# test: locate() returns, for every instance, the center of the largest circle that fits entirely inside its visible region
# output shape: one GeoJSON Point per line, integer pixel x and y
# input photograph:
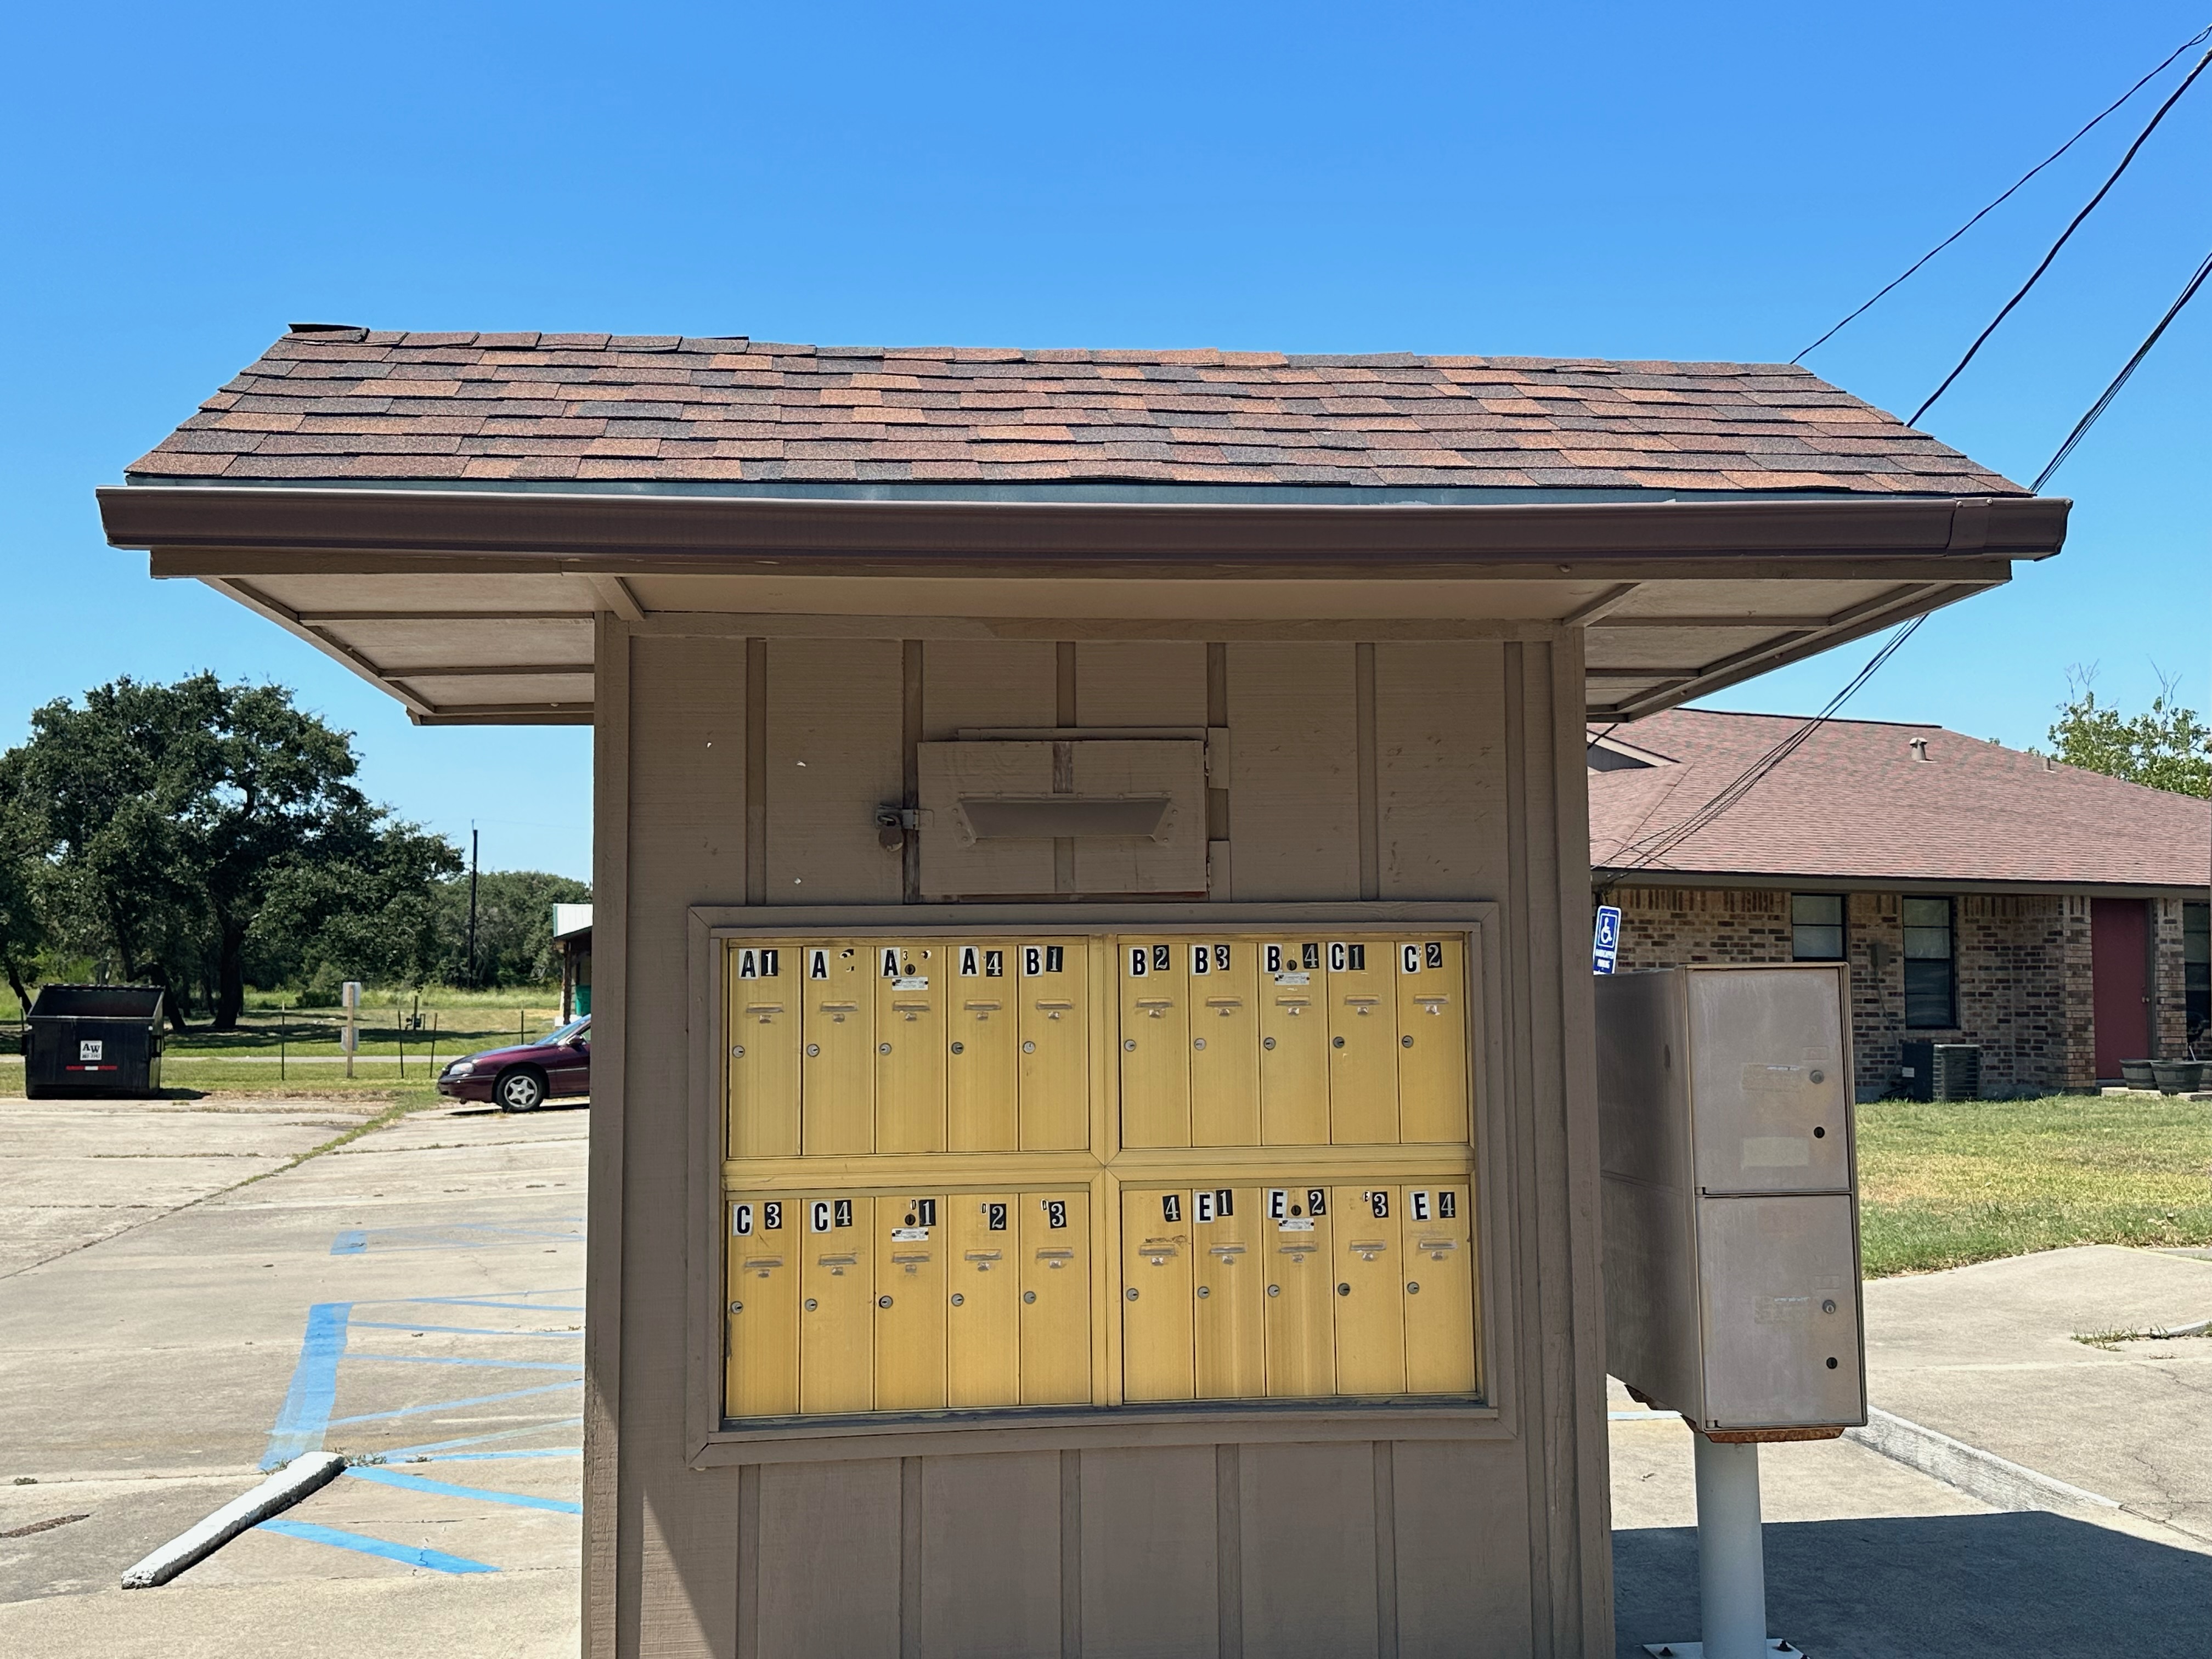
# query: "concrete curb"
{"type": "Point", "coordinates": [1995, 1480]}
{"type": "Point", "coordinates": [274, 1496]}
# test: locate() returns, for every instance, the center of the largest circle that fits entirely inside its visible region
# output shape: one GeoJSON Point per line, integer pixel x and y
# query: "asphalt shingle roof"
{"type": "Point", "coordinates": [358, 403]}
{"type": "Point", "coordinates": [1856, 803]}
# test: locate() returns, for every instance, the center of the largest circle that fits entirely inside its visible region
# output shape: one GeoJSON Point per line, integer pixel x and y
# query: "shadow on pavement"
{"type": "Point", "coordinates": [1941, 1587]}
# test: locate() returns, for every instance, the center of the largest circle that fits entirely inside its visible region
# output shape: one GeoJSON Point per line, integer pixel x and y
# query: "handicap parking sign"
{"type": "Point", "coordinates": [1605, 947]}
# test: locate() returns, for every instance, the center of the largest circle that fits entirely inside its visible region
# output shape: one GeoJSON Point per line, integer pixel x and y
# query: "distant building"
{"type": "Point", "coordinates": [572, 937]}
{"type": "Point", "coordinates": [2053, 916]}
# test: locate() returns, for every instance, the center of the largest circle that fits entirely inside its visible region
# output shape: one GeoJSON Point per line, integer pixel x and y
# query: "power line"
{"type": "Point", "coordinates": [1746, 781]}
{"type": "Point", "coordinates": [2201, 35]}
{"type": "Point", "coordinates": [2096, 410]}
{"type": "Point", "coordinates": [2065, 236]}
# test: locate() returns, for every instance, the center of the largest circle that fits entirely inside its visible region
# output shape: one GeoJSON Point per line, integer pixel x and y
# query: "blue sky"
{"type": "Point", "coordinates": [1714, 181]}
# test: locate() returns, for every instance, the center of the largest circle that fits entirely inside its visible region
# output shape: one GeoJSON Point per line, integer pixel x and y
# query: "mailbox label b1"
{"type": "Point", "coordinates": [1604, 944]}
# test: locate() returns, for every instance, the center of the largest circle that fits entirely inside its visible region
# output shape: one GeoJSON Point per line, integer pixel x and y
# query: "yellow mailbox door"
{"type": "Point", "coordinates": [983, 1069]}
{"type": "Point", "coordinates": [1439, 1269]}
{"type": "Point", "coordinates": [1055, 1042]}
{"type": "Point", "coordinates": [1293, 1045]}
{"type": "Point", "coordinates": [1300, 1338]}
{"type": "Point", "coordinates": [1055, 1316]}
{"type": "Point", "coordinates": [1370, 1331]}
{"type": "Point", "coordinates": [837, 1321]}
{"type": "Point", "coordinates": [982, 1341]}
{"type": "Point", "coordinates": [1224, 1042]}
{"type": "Point", "coordinates": [1363, 1042]}
{"type": "Point", "coordinates": [910, 1309]}
{"type": "Point", "coordinates": [1432, 1014]}
{"type": "Point", "coordinates": [1156, 1294]}
{"type": "Point", "coordinates": [910, 998]}
{"type": "Point", "coordinates": [763, 1014]}
{"type": "Point", "coordinates": [837, 1063]}
{"type": "Point", "coordinates": [1155, 1043]}
{"type": "Point", "coordinates": [1227, 1265]}
{"type": "Point", "coordinates": [761, 1377]}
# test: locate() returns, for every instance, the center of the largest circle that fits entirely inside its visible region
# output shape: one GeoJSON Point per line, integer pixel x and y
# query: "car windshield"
{"type": "Point", "coordinates": [572, 1029]}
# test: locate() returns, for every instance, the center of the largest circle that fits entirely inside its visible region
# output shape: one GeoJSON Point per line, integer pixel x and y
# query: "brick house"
{"type": "Point", "coordinates": [2056, 917]}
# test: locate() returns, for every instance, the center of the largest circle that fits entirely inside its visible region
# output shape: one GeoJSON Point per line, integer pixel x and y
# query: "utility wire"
{"type": "Point", "coordinates": [1745, 782]}
{"type": "Point", "coordinates": [2064, 237]}
{"type": "Point", "coordinates": [2197, 39]}
{"type": "Point", "coordinates": [2096, 410]}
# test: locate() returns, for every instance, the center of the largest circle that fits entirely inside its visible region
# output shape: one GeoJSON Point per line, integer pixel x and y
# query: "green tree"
{"type": "Point", "coordinates": [170, 816]}
{"type": "Point", "coordinates": [2167, 747]}
{"type": "Point", "coordinates": [23, 934]}
{"type": "Point", "coordinates": [514, 925]}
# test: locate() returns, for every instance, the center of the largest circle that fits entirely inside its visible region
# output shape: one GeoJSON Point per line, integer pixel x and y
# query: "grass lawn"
{"type": "Point", "coordinates": [1945, 1183]}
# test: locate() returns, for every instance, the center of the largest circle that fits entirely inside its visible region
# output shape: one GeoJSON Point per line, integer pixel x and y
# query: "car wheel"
{"type": "Point", "coordinates": [520, 1091]}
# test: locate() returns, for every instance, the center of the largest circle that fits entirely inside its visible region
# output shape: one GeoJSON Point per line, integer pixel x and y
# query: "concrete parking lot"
{"type": "Point", "coordinates": [178, 1310]}
{"type": "Point", "coordinates": [166, 1333]}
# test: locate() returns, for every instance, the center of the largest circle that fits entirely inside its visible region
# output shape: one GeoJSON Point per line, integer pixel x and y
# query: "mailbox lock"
{"type": "Point", "coordinates": [1029, 1048]}
{"type": "Point", "coordinates": [883, 1302]}
{"type": "Point", "coordinates": [1336, 1042]}
{"type": "Point", "coordinates": [1028, 1296]}
{"type": "Point", "coordinates": [1274, 1290]}
{"type": "Point", "coordinates": [1832, 1361]}
{"type": "Point", "coordinates": [958, 1300]}
{"type": "Point", "coordinates": [959, 1049]}
{"type": "Point", "coordinates": [1128, 1045]}
{"type": "Point", "coordinates": [1267, 1043]}
{"type": "Point", "coordinates": [1131, 1293]}
{"type": "Point", "coordinates": [1819, 1132]}
{"type": "Point", "coordinates": [1413, 1287]}
{"type": "Point", "coordinates": [1820, 1077]}
{"type": "Point", "coordinates": [813, 1050]}
{"type": "Point", "coordinates": [812, 1304]}
{"type": "Point", "coordinates": [1405, 1041]}
{"type": "Point", "coordinates": [736, 1307]}
{"type": "Point", "coordinates": [1344, 1289]}
{"type": "Point", "coordinates": [1205, 1291]}
{"type": "Point", "coordinates": [1828, 1305]}
{"type": "Point", "coordinates": [738, 1052]}
{"type": "Point", "coordinates": [1198, 1043]}
{"type": "Point", "coordinates": [883, 1047]}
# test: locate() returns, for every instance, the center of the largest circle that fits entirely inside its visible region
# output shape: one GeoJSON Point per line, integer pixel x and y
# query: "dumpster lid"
{"type": "Point", "coordinates": [132, 1002]}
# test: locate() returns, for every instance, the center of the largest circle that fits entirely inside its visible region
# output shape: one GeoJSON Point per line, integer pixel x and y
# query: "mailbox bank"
{"type": "Point", "coordinates": [1094, 1148]}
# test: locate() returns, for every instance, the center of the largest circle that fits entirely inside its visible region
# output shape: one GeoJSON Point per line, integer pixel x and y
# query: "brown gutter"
{"type": "Point", "coordinates": [213, 531]}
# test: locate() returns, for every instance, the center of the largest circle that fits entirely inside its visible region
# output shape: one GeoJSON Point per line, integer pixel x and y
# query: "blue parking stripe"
{"type": "Point", "coordinates": [383, 1477]}
{"type": "Point", "coordinates": [306, 1409]}
{"type": "Point", "coordinates": [352, 1242]}
{"type": "Point", "coordinates": [400, 1453]}
{"type": "Point", "coordinates": [476, 1365]}
{"type": "Point", "coordinates": [455, 1330]}
{"type": "Point", "coordinates": [410, 1555]}
{"type": "Point", "coordinates": [479, 1458]}
{"type": "Point", "coordinates": [449, 1404]}
{"type": "Point", "coordinates": [484, 1301]}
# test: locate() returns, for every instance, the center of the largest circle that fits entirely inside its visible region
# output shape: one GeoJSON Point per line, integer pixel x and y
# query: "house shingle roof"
{"type": "Point", "coordinates": [1855, 804]}
{"type": "Point", "coordinates": [366, 405]}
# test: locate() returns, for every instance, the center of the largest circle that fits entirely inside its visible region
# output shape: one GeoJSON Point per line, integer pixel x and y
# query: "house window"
{"type": "Point", "coordinates": [1930, 978]}
{"type": "Point", "coordinates": [2196, 965]}
{"type": "Point", "coordinates": [1816, 927]}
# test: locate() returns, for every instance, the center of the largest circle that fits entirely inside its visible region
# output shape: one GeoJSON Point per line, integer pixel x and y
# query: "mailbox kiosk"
{"type": "Point", "coordinates": [1094, 1142]}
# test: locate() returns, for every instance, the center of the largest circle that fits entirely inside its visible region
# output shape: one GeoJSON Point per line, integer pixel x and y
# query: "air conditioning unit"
{"type": "Point", "coordinates": [1940, 1071]}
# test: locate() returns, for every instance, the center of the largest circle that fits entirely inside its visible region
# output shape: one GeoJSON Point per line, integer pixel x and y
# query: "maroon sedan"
{"type": "Point", "coordinates": [524, 1077]}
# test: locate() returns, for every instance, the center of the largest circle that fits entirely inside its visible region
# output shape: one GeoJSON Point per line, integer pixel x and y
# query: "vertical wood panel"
{"type": "Point", "coordinates": [990, 1556]}
{"type": "Point", "coordinates": [986, 682]}
{"type": "Point", "coordinates": [834, 722]}
{"type": "Point", "coordinates": [1308, 1548]}
{"type": "Point", "coordinates": [1154, 683]}
{"type": "Point", "coordinates": [1440, 732]}
{"type": "Point", "coordinates": [1149, 1567]}
{"type": "Point", "coordinates": [1294, 787]}
{"type": "Point", "coordinates": [1462, 1550]}
{"type": "Point", "coordinates": [686, 845]}
{"type": "Point", "coordinates": [830, 1560]}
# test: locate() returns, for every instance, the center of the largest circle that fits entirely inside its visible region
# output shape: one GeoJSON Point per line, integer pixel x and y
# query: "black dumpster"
{"type": "Point", "coordinates": [93, 1040]}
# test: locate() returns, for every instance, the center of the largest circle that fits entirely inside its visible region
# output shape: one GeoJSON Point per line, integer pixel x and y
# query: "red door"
{"type": "Point", "coordinates": [2119, 956]}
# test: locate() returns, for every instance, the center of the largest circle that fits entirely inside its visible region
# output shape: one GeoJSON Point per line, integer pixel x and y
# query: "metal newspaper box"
{"type": "Point", "coordinates": [1731, 1196]}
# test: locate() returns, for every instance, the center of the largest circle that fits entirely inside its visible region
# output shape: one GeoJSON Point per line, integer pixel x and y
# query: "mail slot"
{"type": "Point", "coordinates": [837, 1061]}
{"type": "Point", "coordinates": [1056, 1306]}
{"type": "Point", "coordinates": [1228, 1293]}
{"type": "Point", "coordinates": [1157, 1356]}
{"type": "Point", "coordinates": [910, 1307]}
{"type": "Point", "coordinates": [910, 1047]}
{"type": "Point", "coordinates": [1156, 1037]}
{"type": "Point", "coordinates": [983, 1346]}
